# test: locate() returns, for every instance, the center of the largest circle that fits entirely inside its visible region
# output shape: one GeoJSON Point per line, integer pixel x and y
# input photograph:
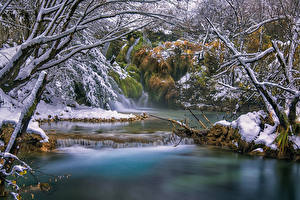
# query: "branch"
{"type": "Point", "coordinates": [282, 61]}
{"type": "Point", "coordinates": [85, 47]}
{"type": "Point", "coordinates": [257, 26]}
{"type": "Point", "coordinates": [134, 12]}
{"type": "Point", "coordinates": [228, 86]}
{"type": "Point", "coordinates": [4, 6]}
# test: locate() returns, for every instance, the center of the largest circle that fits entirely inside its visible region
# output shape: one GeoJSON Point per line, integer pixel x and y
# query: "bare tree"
{"type": "Point", "coordinates": [52, 40]}
{"type": "Point", "coordinates": [278, 82]}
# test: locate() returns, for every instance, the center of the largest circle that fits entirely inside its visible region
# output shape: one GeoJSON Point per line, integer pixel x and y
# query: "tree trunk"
{"type": "Point", "coordinates": [20, 129]}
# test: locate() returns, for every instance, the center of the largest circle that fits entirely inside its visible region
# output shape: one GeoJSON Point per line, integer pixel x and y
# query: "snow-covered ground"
{"type": "Point", "coordinates": [65, 112]}
{"type": "Point", "coordinates": [6, 116]}
{"type": "Point", "coordinates": [250, 130]}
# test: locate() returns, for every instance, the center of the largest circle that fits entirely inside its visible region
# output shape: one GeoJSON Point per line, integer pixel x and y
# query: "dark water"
{"type": "Point", "coordinates": [160, 172]}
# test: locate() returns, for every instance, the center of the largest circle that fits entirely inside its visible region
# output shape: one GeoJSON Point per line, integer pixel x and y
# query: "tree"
{"type": "Point", "coordinates": [52, 40]}
{"type": "Point", "coordinates": [277, 82]}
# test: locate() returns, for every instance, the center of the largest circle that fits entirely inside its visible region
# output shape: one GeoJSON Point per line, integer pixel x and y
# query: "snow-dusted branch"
{"type": "Point", "coordinates": [255, 27]}
{"type": "Point", "coordinates": [132, 12]}
{"type": "Point", "coordinates": [228, 86]}
{"type": "Point", "coordinates": [5, 6]}
{"type": "Point", "coordinates": [85, 47]}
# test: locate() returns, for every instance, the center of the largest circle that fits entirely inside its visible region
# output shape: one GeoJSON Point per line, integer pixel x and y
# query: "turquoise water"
{"type": "Point", "coordinates": [185, 172]}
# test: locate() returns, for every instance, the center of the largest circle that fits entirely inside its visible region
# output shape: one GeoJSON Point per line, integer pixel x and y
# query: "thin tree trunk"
{"type": "Point", "coordinates": [21, 127]}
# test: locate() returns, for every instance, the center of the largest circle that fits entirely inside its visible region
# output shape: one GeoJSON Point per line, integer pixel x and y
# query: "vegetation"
{"type": "Point", "coordinates": [130, 87]}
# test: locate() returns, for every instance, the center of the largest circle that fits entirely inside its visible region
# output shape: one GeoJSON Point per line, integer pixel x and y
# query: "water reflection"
{"type": "Point", "coordinates": [185, 172]}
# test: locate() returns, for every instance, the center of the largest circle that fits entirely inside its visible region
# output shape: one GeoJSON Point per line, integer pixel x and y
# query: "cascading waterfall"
{"type": "Point", "coordinates": [157, 139]}
{"type": "Point", "coordinates": [143, 100]}
{"type": "Point", "coordinates": [128, 54]}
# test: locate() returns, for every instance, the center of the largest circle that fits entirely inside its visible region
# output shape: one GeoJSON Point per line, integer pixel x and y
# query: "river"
{"type": "Point", "coordinates": [157, 171]}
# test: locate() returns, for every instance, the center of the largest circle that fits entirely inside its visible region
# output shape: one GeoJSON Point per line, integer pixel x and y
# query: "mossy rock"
{"type": "Point", "coordinates": [121, 58]}
{"type": "Point", "coordinates": [134, 72]}
{"type": "Point", "coordinates": [160, 87]}
{"type": "Point", "coordinates": [130, 87]}
{"type": "Point", "coordinates": [114, 49]}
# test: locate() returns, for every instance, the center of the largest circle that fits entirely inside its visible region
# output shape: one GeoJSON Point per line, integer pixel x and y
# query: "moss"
{"type": "Point", "coordinates": [121, 58]}
{"type": "Point", "coordinates": [130, 87]}
{"type": "Point", "coordinates": [161, 88]}
{"type": "Point", "coordinates": [134, 72]}
{"type": "Point", "coordinates": [114, 49]}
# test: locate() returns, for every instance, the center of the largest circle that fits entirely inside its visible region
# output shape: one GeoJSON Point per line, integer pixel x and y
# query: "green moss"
{"type": "Point", "coordinates": [130, 87]}
{"type": "Point", "coordinates": [134, 72]}
{"type": "Point", "coordinates": [137, 47]}
{"type": "Point", "coordinates": [211, 62]}
{"type": "Point", "coordinates": [121, 58]}
{"type": "Point", "coordinates": [114, 49]}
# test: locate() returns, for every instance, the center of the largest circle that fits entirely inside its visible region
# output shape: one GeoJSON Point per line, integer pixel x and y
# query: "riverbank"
{"type": "Point", "coordinates": [252, 134]}
{"type": "Point", "coordinates": [37, 140]}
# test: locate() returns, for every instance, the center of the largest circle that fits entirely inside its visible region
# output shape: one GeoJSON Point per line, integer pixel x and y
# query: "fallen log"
{"type": "Point", "coordinates": [184, 130]}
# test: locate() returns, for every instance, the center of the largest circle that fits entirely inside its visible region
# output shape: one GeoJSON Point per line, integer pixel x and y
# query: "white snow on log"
{"type": "Point", "coordinates": [248, 125]}
{"type": "Point", "coordinates": [223, 123]}
{"type": "Point", "coordinates": [6, 54]}
{"type": "Point", "coordinates": [8, 117]}
{"type": "Point", "coordinates": [267, 136]}
{"type": "Point", "coordinates": [296, 141]}
{"type": "Point", "coordinates": [65, 112]}
{"type": "Point", "coordinates": [259, 150]}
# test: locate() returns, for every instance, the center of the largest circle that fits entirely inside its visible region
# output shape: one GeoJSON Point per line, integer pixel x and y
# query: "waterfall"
{"type": "Point", "coordinates": [130, 50]}
{"type": "Point", "coordinates": [105, 48]}
{"type": "Point", "coordinates": [123, 104]}
{"type": "Point", "coordinates": [143, 100]}
{"type": "Point", "coordinates": [157, 139]}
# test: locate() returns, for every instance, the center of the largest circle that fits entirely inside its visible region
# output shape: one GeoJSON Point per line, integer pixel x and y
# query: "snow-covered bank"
{"type": "Point", "coordinates": [8, 117]}
{"type": "Point", "coordinates": [253, 133]}
{"type": "Point", "coordinates": [250, 128]}
{"type": "Point", "coordinates": [46, 112]}
{"type": "Point", "coordinates": [61, 112]}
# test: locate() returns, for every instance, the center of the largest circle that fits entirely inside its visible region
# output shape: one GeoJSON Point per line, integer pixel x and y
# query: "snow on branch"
{"type": "Point", "coordinates": [255, 27]}
{"type": "Point", "coordinates": [85, 47]}
{"type": "Point", "coordinates": [133, 12]}
{"type": "Point", "coordinates": [5, 6]}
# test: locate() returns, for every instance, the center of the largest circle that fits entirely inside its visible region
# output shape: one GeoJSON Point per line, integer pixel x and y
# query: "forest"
{"type": "Point", "coordinates": [163, 99]}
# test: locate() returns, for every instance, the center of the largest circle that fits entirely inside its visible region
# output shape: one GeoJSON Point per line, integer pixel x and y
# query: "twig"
{"type": "Point", "coordinates": [200, 122]}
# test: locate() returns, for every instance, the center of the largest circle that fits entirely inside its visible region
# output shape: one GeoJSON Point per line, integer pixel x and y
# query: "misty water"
{"type": "Point", "coordinates": [157, 171]}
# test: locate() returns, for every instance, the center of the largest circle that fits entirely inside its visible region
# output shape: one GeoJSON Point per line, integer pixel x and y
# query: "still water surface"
{"type": "Point", "coordinates": [160, 172]}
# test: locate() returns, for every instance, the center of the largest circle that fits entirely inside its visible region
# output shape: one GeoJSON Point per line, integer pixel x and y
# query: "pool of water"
{"type": "Point", "coordinates": [159, 172]}
{"type": "Point", "coordinates": [182, 172]}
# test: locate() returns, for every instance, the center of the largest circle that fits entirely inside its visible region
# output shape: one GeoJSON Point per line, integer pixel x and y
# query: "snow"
{"type": "Point", "coordinates": [249, 128]}
{"type": "Point", "coordinates": [296, 141]}
{"type": "Point", "coordinates": [259, 150]}
{"type": "Point", "coordinates": [13, 117]}
{"type": "Point", "coordinates": [185, 78]}
{"type": "Point", "coordinates": [267, 136]}
{"type": "Point", "coordinates": [6, 54]}
{"type": "Point", "coordinates": [223, 123]}
{"type": "Point", "coordinates": [66, 112]}
{"type": "Point", "coordinates": [248, 125]}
